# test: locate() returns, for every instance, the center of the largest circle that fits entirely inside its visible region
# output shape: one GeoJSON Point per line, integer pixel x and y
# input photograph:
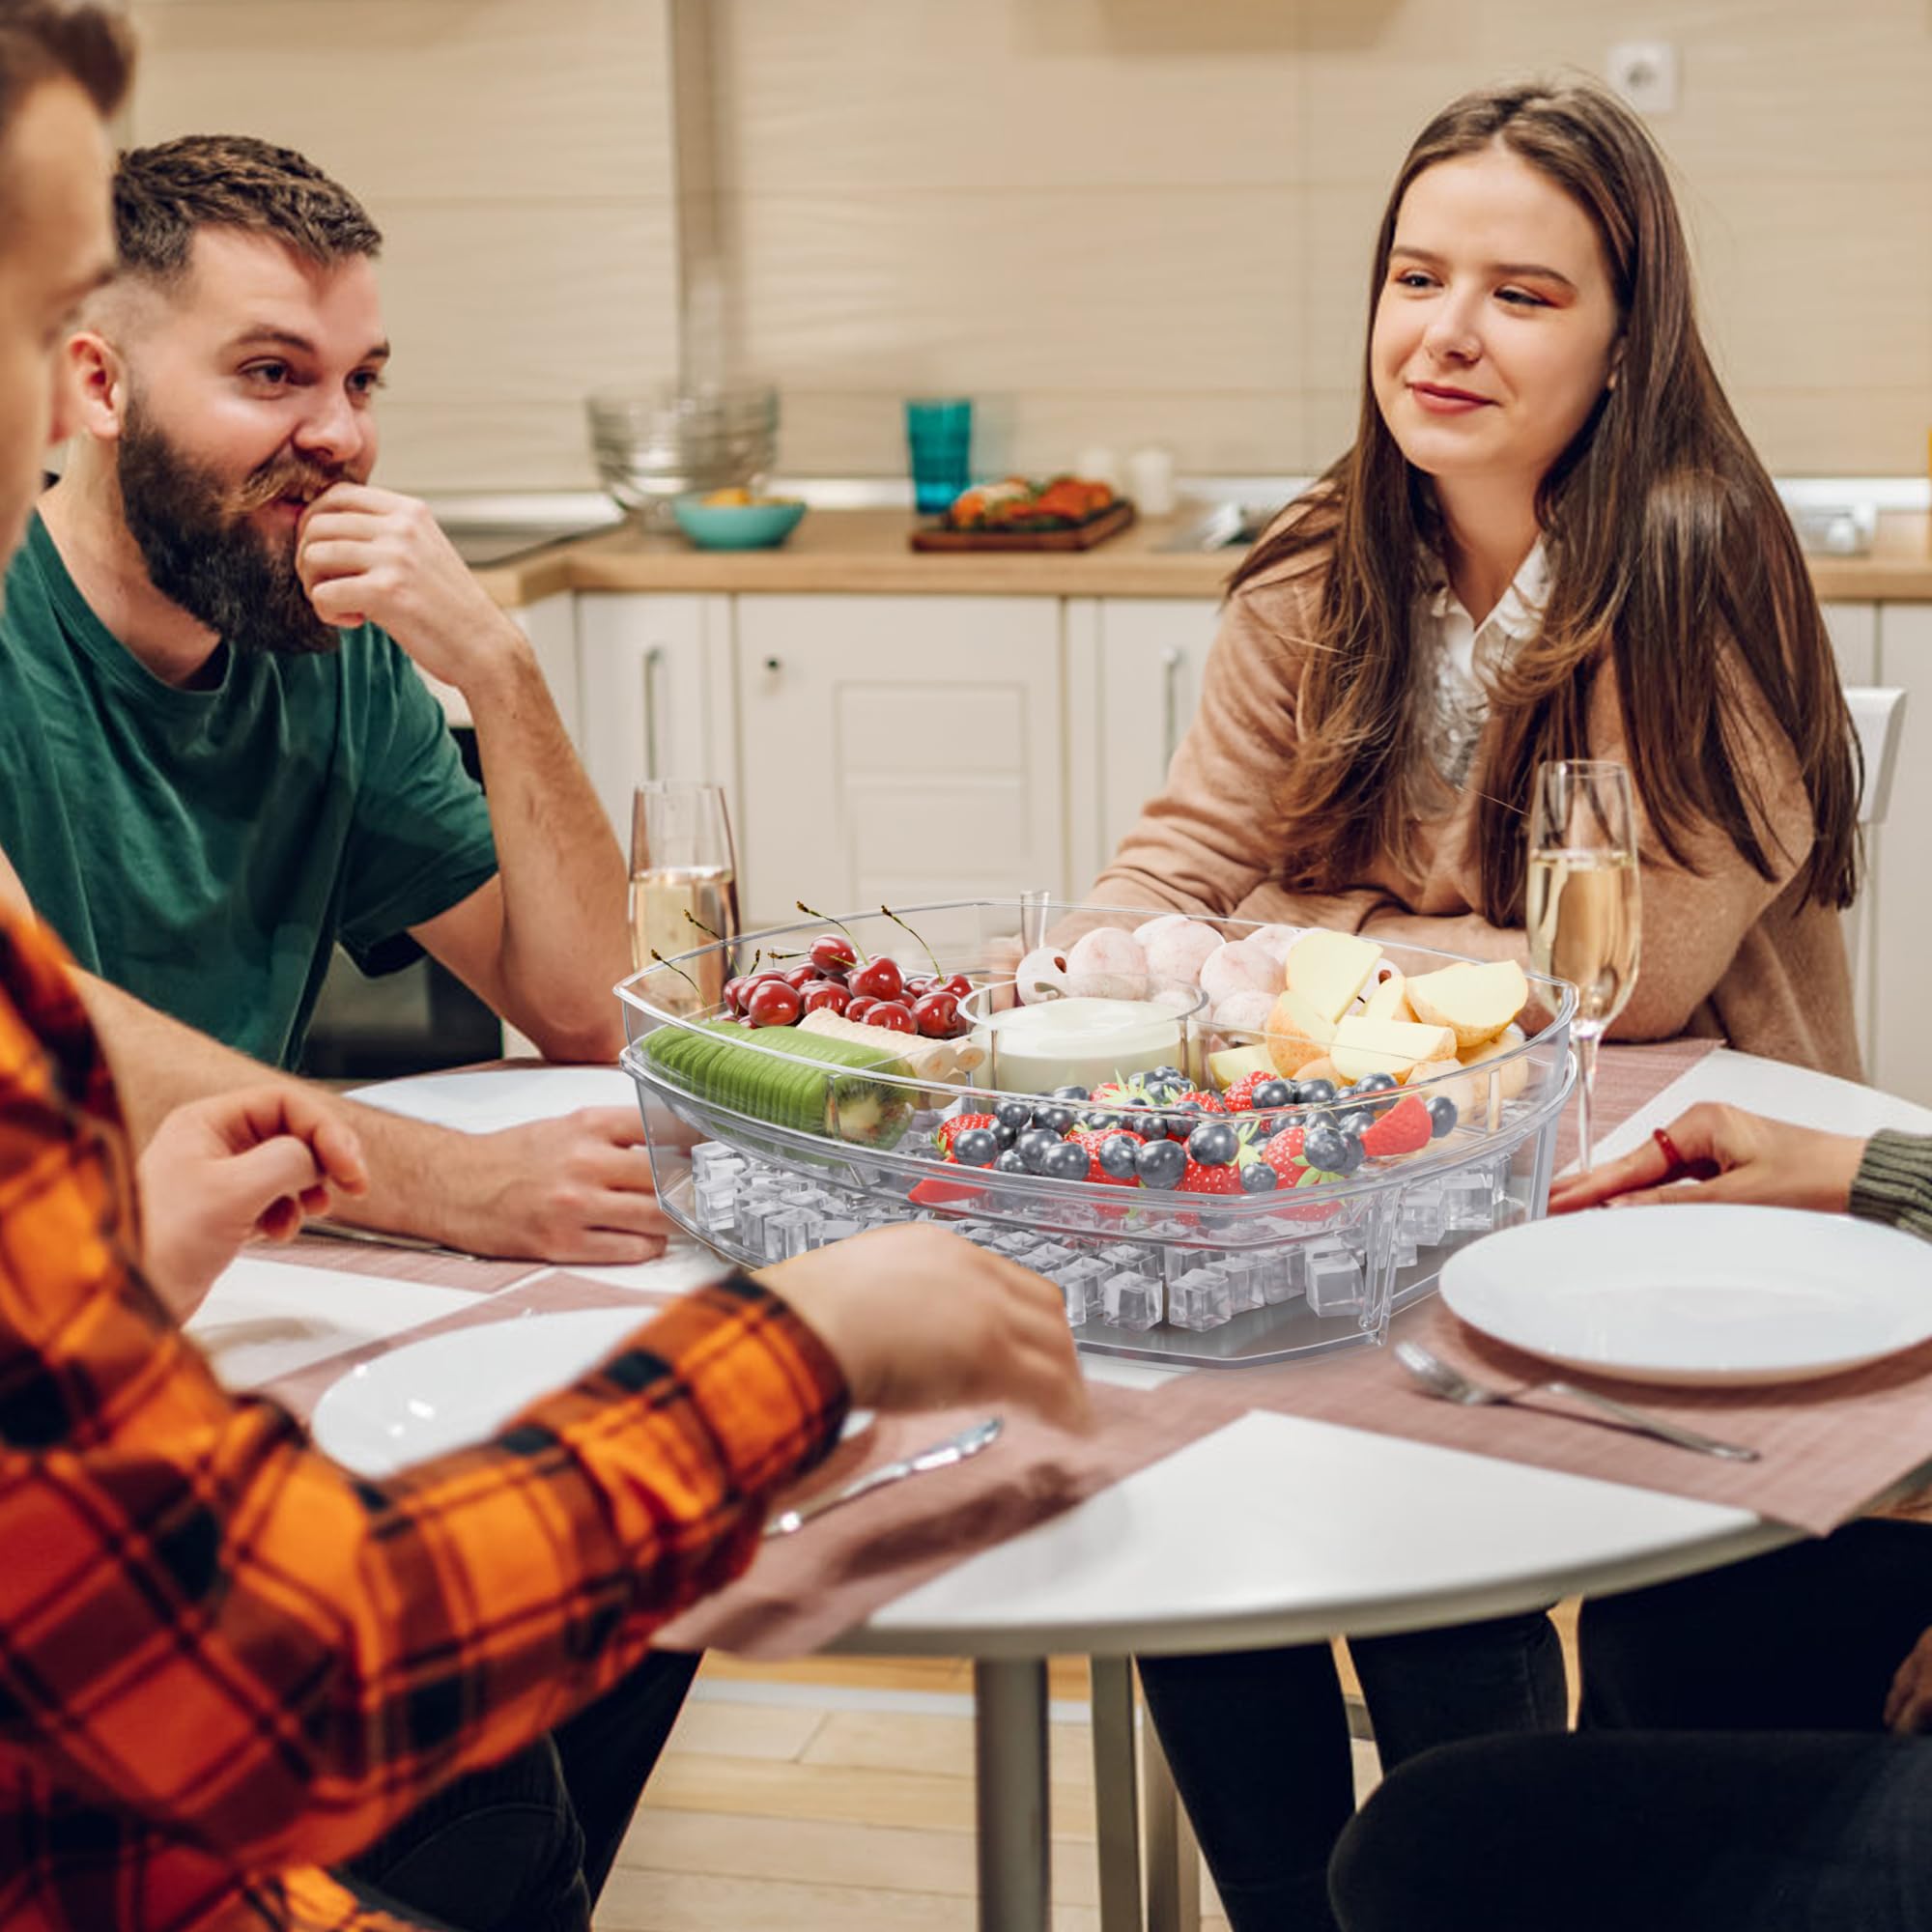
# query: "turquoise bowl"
{"type": "Point", "coordinates": [735, 525]}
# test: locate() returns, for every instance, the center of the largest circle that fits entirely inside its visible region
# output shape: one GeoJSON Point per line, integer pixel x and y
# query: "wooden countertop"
{"type": "Point", "coordinates": [860, 552]}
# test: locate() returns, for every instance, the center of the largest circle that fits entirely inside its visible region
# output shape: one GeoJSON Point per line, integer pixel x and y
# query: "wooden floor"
{"type": "Point", "coordinates": [837, 1793]}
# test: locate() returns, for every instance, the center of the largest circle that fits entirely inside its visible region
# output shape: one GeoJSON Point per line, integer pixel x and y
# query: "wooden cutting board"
{"type": "Point", "coordinates": [1110, 522]}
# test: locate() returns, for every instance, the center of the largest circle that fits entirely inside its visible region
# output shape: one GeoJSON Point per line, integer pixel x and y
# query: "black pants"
{"type": "Point", "coordinates": [1258, 1742]}
{"type": "Point", "coordinates": [1733, 1770]}
{"type": "Point", "coordinates": [1647, 1832]}
{"type": "Point", "coordinates": [526, 1845]}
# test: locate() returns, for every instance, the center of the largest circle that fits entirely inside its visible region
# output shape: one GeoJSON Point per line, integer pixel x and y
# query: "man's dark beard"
{"type": "Point", "coordinates": [201, 550]}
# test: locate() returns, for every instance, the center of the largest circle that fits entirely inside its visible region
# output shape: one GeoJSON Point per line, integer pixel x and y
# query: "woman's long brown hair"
{"type": "Point", "coordinates": [1671, 560]}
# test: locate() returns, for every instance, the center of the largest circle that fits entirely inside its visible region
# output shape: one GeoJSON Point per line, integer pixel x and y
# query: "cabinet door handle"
{"type": "Point", "coordinates": [1171, 661]}
{"type": "Point", "coordinates": [773, 665]}
{"type": "Point", "coordinates": [653, 658]}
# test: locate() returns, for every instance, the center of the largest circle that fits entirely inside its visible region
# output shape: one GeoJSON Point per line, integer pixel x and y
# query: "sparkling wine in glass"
{"type": "Point", "coordinates": [684, 890]}
{"type": "Point", "coordinates": [1582, 902]}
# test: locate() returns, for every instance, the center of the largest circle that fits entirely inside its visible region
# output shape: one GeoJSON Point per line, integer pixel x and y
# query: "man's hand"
{"type": "Point", "coordinates": [920, 1319]}
{"type": "Point", "coordinates": [222, 1169]}
{"type": "Point", "coordinates": [1908, 1704]}
{"type": "Point", "coordinates": [1766, 1163]}
{"type": "Point", "coordinates": [574, 1189]}
{"type": "Point", "coordinates": [370, 555]}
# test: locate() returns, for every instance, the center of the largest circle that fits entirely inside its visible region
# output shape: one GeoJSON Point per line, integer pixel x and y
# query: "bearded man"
{"type": "Point", "coordinates": [220, 758]}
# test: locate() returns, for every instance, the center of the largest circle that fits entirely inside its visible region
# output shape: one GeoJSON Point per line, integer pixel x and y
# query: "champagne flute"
{"type": "Point", "coordinates": [684, 888]}
{"type": "Point", "coordinates": [1582, 902]}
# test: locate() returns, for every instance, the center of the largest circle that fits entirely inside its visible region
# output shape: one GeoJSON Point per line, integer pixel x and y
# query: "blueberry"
{"type": "Point", "coordinates": [1065, 1161]}
{"type": "Point", "coordinates": [1317, 1092]}
{"type": "Point", "coordinates": [1161, 1163]}
{"type": "Point", "coordinates": [1355, 1121]}
{"type": "Point", "coordinates": [1169, 1073]}
{"type": "Point", "coordinates": [975, 1148]}
{"type": "Point", "coordinates": [1032, 1148]}
{"type": "Point", "coordinates": [1056, 1118]}
{"type": "Point", "coordinates": [1326, 1149]}
{"type": "Point", "coordinates": [1004, 1134]}
{"type": "Point", "coordinates": [1321, 1117]}
{"type": "Point", "coordinates": [1099, 1122]}
{"type": "Point", "coordinates": [1273, 1093]}
{"type": "Point", "coordinates": [1072, 1093]}
{"type": "Point", "coordinates": [1166, 1089]}
{"type": "Point", "coordinates": [1213, 1143]}
{"type": "Point", "coordinates": [1374, 1083]}
{"type": "Point", "coordinates": [1258, 1178]}
{"type": "Point", "coordinates": [1011, 1161]}
{"type": "Point", "coordinates": [1116, 1157]}
{"type": "Point", "coordinates": [1352, 1156]}
{"type": "Point", "coordinates": [1014, 1114]}
{"type": "Point", "coordinates": [1442, 1116]}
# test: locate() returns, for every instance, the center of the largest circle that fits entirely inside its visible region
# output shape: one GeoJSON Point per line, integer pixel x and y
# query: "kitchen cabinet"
{"type": "Point", "coordinates": [1853, 629]}
{"type": "Point", "coordinates": [897, 748]}
{"type": "Point", "coordinates": [1134, 673]}
{"type": "Point", "coordinates": [1901, 886]}
{"type": "Point", "coordinates": [654, 695]}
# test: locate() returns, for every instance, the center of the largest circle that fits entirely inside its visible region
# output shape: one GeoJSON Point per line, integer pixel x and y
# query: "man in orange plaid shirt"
{"type": "Point", "coordinates": [224, 1664]}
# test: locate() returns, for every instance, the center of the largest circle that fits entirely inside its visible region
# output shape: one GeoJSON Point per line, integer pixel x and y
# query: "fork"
{"type": "Point", "coordinates": [1453, 1385]}
{"type": "Point", "coordinates": [941, 1456]}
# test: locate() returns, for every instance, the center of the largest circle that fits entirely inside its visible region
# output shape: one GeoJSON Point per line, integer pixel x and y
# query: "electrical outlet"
{"type": "Point", "coordinates": [1645, 73]}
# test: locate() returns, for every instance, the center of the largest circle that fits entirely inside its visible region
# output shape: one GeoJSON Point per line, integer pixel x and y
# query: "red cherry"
{"type": "Point", "coordinates": [817, 995]}
{"type": "Point", "coordinates": [770, 977]}
{"type": "Point", "coordinates": [774, 1003]}
{"type": "Point", "coordinates": [958, 986]}
{"type": "Point", "coordinates": [857, 1009]}
{"type": "Point", "coordinates": [918, 985]}
{"type": "Point", "coordinates": [936, 1014]}
{"type": "Point", "coordinates": [879, 980]}
{"type": "Point", "coordinates": [832, 952]}
{"type": "Point", "coordinates": [800, 975]}
{"type": "Point", "coordinates": [892, 1014]}
{"type": "Point", "coordinates": [735, 993]}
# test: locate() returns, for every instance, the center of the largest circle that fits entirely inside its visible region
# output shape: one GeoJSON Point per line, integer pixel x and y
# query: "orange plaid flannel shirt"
{"type": "Point", "coordinates": [225, 1664]}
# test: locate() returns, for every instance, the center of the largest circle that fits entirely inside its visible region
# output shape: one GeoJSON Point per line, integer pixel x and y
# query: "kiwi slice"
{"type": "Point", "coordinates": [859, 1094]}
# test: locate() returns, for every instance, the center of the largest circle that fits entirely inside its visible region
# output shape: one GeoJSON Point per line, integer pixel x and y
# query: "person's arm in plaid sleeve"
{"type": "Point", "coordinates": [206, 1624]}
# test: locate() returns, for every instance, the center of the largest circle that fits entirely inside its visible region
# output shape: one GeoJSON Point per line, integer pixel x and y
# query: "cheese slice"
{"type": "Point", "coordinates": [1328, 969]}
{"type": "Point", "coordinates": [1364, 1046]}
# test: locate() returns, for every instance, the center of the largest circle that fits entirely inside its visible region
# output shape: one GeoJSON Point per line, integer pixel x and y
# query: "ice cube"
{"type": "Point", "coordinates": [1334, 1279]}
{"type": "Point", "coordinates": [1468, 1204]}
{"type": "Point", "coordinates": [1198, 1299]}
{"type": "Point", "coordinates": [1243, 1277]}
{"type": "Point", "coordinates": [1080, 1284]}
{"type": "Point", "coordinates": [1131, 1301]}
{"type": "Point", "coordinates": [716, 1198]}
{"type": "Point", "coordinates": [1129, 1255]}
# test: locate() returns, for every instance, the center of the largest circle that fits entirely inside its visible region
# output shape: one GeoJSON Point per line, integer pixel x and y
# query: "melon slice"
{"type": "Point", "coordinates": [1298, 1034]}
{"type": "Point", "coordinates": [1328, 969]}
{"type": "Point", "coordinates": [1474, 1002]}
{"type": "Point", "coordinates": [1364, 1046]}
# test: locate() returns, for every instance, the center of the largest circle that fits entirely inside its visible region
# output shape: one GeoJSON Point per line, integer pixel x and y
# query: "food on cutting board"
{"type": "Point", "coordinates": [854, 1091]}
{"type": "Point", "coordinates": [1016, 503]}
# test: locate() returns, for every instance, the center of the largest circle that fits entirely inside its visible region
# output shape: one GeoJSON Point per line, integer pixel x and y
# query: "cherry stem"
{"type": "Point", "coordinates": [931, 955]}
{"type": "Point", "coordinates": [691, 918]}
{"type": "Point", "coordinates": [681, 974]}
{"type": "Point", "coordinates": [859, 951]}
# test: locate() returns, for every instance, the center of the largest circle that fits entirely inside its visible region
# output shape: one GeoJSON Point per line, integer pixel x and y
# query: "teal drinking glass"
{"type": "Point", "coordinates": [939, 436]}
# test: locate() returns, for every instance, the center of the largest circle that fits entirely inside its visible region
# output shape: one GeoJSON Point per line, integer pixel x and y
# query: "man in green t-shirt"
{"type": "Point", "coordinates": [220, 758]}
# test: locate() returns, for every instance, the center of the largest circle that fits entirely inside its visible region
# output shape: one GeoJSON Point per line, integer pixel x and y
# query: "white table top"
{"type": "Point", "coordinates": [1276, 1530]}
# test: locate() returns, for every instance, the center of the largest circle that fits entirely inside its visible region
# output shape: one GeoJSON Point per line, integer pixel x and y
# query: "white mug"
{"type": "Point", "coordinates": [1151, 477]}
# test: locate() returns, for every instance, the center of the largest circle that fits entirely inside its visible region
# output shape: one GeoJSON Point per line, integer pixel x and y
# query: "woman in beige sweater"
{"type": "Point", "coordinates": [1551, 539]}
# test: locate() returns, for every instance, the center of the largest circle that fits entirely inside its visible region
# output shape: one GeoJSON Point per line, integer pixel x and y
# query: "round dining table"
{"type": "Point", "coordinates": [1278, 1529]}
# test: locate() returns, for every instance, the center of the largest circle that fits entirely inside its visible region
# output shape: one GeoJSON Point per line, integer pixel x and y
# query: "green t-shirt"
{"type": "Point", "coordinates": [205, 849]}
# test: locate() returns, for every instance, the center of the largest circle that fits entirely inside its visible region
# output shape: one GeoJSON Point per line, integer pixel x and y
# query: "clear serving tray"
{"type": "Point", "coordinates": [1218, 1281]}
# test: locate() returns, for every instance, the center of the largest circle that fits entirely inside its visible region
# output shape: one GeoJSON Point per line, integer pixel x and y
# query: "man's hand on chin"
{"type": "Point", "coordinates": [369, 555]}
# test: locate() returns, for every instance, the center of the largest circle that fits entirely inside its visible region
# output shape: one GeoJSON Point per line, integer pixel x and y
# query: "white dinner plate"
{"type": "Point", "coordinates": [1699, 1294]}
{"type": "Point", "coordinates": [449, 1391]}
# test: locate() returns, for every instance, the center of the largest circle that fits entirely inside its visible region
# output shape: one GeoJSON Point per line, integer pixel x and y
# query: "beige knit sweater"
{"type": "Point", "coordinates": [1727, 954]}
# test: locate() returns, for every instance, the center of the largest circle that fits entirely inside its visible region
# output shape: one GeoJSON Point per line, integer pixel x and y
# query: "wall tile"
{"type": "Point", "coordinates": [475, 99]}
{"type": "Point", "coordinates": [1838, 432]}
{"type": "Point", "coordinates": [1161, 290]}
{"type": "Point", "coordinates": [849, 95]}
{"type": "Point", "coordinates": [433, 446]}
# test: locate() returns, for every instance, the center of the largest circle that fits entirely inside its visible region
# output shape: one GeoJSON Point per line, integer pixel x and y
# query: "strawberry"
{"type": "Point", "coordinates": [1091, 1140]}
{"type": "Point", "coordinates": [1198, 1179]}
{"type": "Point", "coordinates": [1208, 1103]}
{"type": "Point", "coordinates": [1283, 1153]}
{"type": "Point", "coordinates": [951, 1130]}
{"type": "Point", "coordinates": [1117, 1093]}
{"type": "Point", "coordinates": [1402, 1130]}
{"type": "Point", "coordinates": [1239, 1099]}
